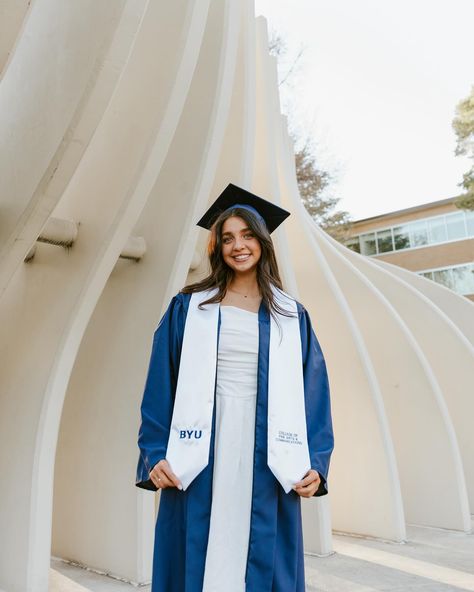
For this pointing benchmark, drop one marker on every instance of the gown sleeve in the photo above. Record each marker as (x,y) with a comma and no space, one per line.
(317,402)
(159,392)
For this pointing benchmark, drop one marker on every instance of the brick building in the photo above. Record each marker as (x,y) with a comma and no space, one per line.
(435,239)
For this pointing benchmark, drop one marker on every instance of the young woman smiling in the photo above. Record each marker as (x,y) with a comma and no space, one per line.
(236,417)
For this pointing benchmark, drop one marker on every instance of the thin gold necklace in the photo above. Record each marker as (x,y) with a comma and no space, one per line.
(244,295)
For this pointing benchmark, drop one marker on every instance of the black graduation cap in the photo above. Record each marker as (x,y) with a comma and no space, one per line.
(232,196)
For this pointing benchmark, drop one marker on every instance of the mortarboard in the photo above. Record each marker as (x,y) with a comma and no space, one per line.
(234,196)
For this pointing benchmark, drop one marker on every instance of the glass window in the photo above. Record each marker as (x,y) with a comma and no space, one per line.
(419,233)
(470,222)
(353,244)
(426,231)
(384,240)
(401,237)
(463,278)
(455,224)
(367,244)
(427,274)
(437,230)
(444,277)
(459,278)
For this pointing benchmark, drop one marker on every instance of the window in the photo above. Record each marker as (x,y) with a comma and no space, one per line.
(384,240)
(459,278)
(444,277)
(367,244)
(437,230)
(426,231)
(418,233)
(463,278)
(401,236)
(353,244)
(470,223)
(455,224)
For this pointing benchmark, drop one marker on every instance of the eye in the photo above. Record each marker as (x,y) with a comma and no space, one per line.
(249,235)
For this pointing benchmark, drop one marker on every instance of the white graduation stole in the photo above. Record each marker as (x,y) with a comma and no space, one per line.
(191,424)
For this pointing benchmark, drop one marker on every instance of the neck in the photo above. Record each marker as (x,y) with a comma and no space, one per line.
(246,284)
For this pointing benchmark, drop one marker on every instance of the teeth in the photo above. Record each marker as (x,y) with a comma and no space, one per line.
(241,257)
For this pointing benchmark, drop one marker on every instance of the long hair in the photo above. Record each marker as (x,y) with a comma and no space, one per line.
(221,274)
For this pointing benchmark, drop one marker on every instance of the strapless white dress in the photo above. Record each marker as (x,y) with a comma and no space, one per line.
(236,397)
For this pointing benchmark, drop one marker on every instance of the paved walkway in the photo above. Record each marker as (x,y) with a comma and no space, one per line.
(432,560)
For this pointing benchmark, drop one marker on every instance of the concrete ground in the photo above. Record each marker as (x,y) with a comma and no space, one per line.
(432,560)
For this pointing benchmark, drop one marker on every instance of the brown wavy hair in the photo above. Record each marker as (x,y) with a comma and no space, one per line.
(221,274)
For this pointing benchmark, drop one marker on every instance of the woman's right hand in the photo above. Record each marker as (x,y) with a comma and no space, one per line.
(163,477)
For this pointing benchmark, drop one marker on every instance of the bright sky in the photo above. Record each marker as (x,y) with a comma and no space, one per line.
(377,86)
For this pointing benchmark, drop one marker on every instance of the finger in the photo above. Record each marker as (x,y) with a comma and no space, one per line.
(154,474)
(165,474)
(164,481)
(313,486)
(307,491)
(309,487)
(171,476)
(309,478)
(306,481)
(158,477)
(154,478)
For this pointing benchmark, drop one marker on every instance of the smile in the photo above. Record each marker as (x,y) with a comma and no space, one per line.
(241,257)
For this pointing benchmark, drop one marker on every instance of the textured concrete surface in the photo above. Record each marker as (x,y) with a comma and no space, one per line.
(432,560)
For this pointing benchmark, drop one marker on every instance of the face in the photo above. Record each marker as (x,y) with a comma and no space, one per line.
(240,248)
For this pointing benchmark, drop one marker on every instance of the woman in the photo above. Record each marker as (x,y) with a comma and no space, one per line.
(236,419)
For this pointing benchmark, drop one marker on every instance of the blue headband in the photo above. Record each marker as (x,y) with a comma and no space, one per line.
(250,209)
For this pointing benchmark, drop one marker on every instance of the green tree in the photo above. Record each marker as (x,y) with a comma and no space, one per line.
(463,125)
(314,184)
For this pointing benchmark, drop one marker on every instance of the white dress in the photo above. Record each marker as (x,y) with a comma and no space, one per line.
(236,397)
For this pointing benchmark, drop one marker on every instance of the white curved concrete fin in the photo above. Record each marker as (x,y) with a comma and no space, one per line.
(14,15)
(365,452)
(45,131)
(458,308)
(447,356)
(174,187)
(266,180)
(107,194)
(412,393)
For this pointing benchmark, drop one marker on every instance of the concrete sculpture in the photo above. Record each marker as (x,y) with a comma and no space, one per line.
(113,138)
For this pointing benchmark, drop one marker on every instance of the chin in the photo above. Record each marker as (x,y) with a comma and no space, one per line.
(243,269)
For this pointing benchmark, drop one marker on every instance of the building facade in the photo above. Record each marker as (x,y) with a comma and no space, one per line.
(435,240)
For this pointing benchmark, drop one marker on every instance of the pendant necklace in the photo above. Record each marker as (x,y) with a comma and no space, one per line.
(244,295)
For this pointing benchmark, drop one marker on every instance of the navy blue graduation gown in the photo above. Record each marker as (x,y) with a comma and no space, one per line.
(275,555)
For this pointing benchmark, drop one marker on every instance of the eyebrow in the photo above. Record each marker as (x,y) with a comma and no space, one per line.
(231,233)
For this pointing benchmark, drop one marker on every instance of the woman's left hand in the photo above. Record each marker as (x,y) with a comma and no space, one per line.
(308,486)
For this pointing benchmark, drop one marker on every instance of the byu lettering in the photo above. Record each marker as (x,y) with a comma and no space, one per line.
(189,434)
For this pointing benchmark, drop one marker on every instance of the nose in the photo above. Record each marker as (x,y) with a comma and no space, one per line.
(239,244)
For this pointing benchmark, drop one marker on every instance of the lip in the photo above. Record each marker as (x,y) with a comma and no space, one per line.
(247,257)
